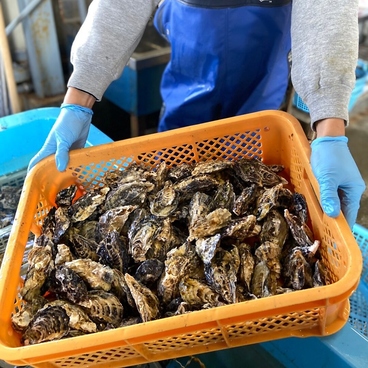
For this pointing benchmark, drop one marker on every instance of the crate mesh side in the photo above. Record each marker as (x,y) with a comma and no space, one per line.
(180,345)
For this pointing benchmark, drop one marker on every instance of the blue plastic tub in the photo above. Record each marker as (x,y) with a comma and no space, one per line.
(23,134)
(359,300)
(361,74)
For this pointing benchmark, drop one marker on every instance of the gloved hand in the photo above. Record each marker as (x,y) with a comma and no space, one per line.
(338,176)
(70,131)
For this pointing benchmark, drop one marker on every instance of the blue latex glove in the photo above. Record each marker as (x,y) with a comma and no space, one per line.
(340,182)
(70,131)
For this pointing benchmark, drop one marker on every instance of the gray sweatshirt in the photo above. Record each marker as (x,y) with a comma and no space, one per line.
(324,36)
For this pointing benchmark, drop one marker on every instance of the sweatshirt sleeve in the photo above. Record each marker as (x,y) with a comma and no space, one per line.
(325,38)
(105,42)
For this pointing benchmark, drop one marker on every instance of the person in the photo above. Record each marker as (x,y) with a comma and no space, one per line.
(228,57)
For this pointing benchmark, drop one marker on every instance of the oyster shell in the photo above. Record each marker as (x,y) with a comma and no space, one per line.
(255,171)
(245,202)
(210,224)
(242,228)
(274,197)
(221,273)
(197,294)
(259,284)
(85,206)
(40,263)
(146,301)
(297,271)
(67,284)
(94,273)
(301,232)
(103,307)
(246,267)
(131,193)
(65,197)
(78,318)
(113,251)
(50,323)
(149,271)
(176,264)
(274,229)
(207,247)
(211,166)
(165,202)
(83,247)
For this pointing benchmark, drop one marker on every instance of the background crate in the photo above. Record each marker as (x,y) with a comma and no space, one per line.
(23,134)
(273,136)
(361,73)
(359,300)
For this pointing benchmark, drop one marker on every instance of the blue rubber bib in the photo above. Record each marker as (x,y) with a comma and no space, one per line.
(225,60)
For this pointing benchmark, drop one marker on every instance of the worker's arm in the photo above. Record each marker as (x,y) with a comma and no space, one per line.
(325,41)
(101,49)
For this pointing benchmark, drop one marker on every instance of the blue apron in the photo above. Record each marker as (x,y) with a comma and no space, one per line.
(228,57)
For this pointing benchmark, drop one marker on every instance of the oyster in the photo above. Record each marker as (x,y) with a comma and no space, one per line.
(103,307)
(114,219)
(85,206)
(83,247)
(50,323)
(78,319)
(65,197)
(179,172)
(259,284)
(146,301)
(224,197)
(300,231)
(67,284)
(254,171)
(149,271)
(274,197)
(176,264)
(246,267)
(190,185)
(143,238)
(63,254)
(94,273)
(211,166)
(165,202)
(131,193)
(62,223)
(113,251)
(221,273)
(245,202)
(40,263)
(297,271)
(207,247)
(197,294)
(242,228)
(23,316)
(274,229)
(210,224)
(319,274)
(270,253)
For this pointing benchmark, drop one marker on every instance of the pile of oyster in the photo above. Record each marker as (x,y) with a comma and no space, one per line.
(149,243)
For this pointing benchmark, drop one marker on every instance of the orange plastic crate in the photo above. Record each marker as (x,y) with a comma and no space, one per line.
(273,136)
